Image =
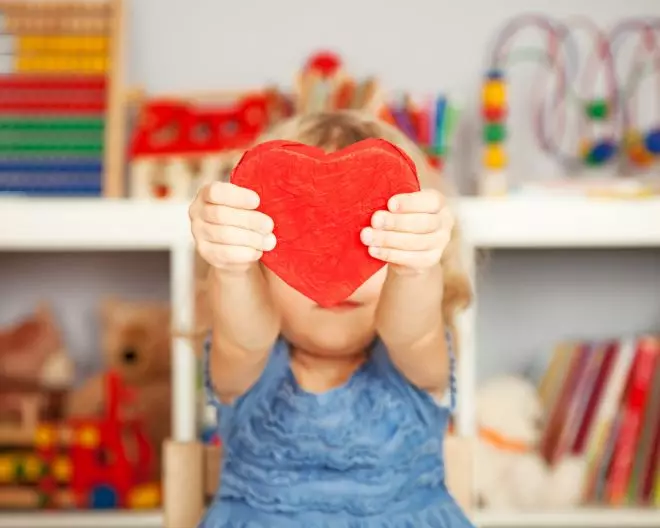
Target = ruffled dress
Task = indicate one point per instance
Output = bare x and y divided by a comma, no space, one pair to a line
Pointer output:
367,454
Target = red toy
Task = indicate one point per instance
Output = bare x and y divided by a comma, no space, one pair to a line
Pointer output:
174,127
320,203
101,473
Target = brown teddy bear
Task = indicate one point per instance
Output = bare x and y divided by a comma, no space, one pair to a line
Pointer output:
34,366
136,343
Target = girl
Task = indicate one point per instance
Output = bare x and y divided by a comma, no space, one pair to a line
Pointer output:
333,418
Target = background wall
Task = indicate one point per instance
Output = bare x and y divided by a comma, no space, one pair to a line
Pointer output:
526,299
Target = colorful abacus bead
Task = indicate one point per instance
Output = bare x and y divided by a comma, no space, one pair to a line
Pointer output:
495,157
652,141
601,152
635,149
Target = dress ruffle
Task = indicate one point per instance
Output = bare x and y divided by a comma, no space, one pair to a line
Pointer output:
365,455
446,514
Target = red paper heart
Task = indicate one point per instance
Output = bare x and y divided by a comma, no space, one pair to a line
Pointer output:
320,203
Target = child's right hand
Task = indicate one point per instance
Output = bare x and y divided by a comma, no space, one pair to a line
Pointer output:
229,233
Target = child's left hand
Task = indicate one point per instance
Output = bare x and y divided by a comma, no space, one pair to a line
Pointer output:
413,233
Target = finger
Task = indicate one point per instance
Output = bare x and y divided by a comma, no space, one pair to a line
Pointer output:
398,240
219,254
223,215
411,259
407,222
424,201
222,193
236,236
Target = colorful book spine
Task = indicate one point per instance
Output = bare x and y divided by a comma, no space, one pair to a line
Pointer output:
633,409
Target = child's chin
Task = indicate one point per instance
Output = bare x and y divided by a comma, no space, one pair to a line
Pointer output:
334,342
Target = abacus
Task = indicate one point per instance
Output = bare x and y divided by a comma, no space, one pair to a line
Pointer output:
61,115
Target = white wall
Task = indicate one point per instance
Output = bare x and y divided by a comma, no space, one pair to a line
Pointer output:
425,46
421,45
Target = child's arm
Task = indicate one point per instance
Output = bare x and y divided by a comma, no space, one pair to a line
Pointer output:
231,236
245,327
411,237
409,321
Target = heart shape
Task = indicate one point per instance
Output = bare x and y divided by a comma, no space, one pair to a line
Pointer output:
320,203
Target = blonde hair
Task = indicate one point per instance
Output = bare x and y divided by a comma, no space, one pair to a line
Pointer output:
335,130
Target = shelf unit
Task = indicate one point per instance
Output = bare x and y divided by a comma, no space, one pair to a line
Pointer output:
114,225
82,520
532,223
584,518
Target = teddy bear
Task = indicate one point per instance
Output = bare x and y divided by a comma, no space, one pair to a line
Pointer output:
136,344
34,367
511,474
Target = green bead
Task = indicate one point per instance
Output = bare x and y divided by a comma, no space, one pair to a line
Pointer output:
494,133
598,109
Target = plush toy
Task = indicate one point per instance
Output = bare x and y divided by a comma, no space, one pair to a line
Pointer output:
511,473
136,341
33,365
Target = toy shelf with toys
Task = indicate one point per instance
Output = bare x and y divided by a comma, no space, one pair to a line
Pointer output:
491,223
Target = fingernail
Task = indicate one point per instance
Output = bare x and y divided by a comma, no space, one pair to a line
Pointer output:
367,235
393,204
374,251
255,200
269,242
378,220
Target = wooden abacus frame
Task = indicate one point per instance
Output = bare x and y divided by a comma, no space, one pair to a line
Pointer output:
113,176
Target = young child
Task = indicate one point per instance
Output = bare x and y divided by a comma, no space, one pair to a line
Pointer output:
333,418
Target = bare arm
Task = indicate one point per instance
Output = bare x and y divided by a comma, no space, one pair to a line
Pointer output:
245,327
231,235
411,236
409,322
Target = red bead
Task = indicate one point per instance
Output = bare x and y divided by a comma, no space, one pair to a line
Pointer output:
494,114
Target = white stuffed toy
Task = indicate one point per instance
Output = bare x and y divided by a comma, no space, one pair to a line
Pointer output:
510,472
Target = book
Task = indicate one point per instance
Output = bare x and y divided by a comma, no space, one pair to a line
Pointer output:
645,445
631,420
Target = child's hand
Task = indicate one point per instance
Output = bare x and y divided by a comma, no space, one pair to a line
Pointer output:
230,235
413,233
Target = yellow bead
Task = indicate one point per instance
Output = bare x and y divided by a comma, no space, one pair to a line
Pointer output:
494,94
7,469
88,437
44,437
61,469
495,157
144,497
585,148
32,467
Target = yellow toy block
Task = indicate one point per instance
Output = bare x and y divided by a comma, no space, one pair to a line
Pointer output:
494,157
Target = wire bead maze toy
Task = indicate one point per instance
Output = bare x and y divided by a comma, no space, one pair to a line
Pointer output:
640,147
565,87
61,115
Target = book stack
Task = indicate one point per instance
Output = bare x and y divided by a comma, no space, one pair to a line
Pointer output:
602,401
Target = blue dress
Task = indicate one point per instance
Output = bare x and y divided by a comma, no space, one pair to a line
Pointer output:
367,454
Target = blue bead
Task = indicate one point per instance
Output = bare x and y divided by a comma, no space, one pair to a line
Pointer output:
495,75
104,498
602,152
652,141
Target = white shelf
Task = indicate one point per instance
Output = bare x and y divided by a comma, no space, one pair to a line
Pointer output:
553,222
152,519
88,224
596,518
529,222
